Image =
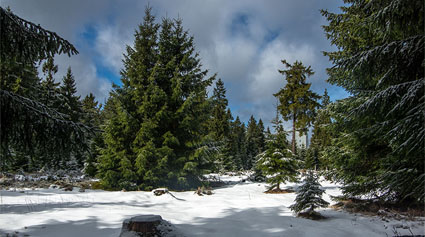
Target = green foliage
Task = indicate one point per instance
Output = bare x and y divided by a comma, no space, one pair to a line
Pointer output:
33,132
297,102
309,195
321,137
379,142
255,142
155,133
238,143
277,162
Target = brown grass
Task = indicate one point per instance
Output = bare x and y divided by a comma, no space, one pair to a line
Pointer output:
279,191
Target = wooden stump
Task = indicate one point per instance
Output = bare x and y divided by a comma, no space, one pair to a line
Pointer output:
143,225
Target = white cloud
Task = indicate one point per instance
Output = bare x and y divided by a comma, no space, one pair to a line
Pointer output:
246,59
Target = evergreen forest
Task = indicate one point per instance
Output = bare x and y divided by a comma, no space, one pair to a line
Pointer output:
168,122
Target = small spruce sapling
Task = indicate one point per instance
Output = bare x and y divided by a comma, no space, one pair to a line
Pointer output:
309,196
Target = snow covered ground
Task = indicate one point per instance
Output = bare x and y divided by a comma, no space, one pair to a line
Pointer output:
239,209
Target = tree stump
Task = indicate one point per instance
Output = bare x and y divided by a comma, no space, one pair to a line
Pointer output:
143,225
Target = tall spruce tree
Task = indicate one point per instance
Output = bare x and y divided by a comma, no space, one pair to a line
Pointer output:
251,143
92,118
219,124
50,88
71,104
164,99
30,128
297,102
380,61
322,135
238,143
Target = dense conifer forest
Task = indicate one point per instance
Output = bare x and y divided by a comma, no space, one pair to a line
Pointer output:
168,122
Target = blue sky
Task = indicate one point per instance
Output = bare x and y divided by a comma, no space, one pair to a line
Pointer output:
242,41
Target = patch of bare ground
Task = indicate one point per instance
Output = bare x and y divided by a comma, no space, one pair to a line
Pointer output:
311,215
279,191
399,211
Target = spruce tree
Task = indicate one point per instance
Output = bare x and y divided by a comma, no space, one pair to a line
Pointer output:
50,95
92,118
261,139
309,196
277,162
380,61
322,135
297,102
30,128
71,104
219,126
238,143
251,143
156,136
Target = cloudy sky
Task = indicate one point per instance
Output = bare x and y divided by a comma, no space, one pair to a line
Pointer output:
243,41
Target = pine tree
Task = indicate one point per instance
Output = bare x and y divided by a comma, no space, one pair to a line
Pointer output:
30,128
251,144
220,119
297,102
50,94
71,104
92,118
309,196
380,62
261,139
219,127
238,143
322,136
277,162
156,136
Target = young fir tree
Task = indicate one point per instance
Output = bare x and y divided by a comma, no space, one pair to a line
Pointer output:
380,61
297,102
277,162
157,139
309,196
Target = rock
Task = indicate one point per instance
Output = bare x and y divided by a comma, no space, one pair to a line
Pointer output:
68,188
82,190
144,225
160,191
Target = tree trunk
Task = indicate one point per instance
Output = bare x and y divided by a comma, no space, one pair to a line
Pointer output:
293,135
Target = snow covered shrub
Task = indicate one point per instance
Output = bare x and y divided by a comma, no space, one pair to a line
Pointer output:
309,196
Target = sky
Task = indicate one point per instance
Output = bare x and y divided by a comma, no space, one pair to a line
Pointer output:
243,41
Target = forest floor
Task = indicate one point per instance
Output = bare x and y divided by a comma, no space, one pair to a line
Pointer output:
240,208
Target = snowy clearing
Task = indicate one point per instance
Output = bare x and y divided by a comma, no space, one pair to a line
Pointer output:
239,209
